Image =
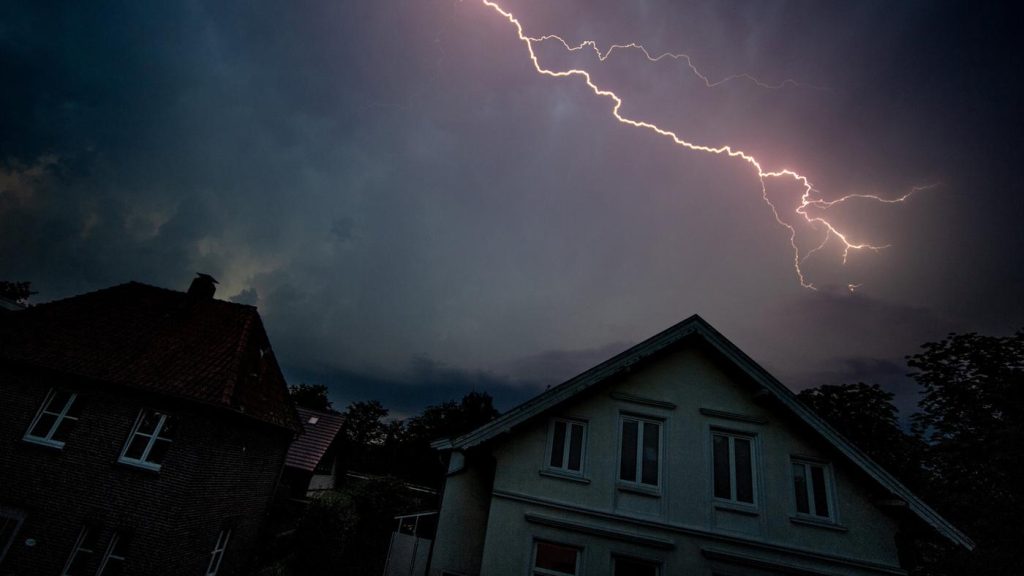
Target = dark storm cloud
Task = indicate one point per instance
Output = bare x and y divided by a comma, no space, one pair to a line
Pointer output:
391,181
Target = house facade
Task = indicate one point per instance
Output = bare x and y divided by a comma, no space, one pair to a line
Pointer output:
678,456
142,431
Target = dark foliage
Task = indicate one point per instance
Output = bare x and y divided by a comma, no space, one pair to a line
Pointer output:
312,396
972,419
866,416
18,292
350,530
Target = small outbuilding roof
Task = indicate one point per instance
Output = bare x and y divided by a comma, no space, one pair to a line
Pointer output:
319,429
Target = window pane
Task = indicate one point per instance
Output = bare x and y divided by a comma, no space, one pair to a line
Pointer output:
800,486
43,425
576,448
558,445
59,399
649,474
744,471
630,567
820,492
75,409
554,557
721,466
63,430
136,447
169,428
627,466
158,451
149,421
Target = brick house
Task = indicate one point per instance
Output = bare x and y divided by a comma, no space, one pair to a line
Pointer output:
142,431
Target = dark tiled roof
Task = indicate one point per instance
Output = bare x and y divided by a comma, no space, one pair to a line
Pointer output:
309,447
157,340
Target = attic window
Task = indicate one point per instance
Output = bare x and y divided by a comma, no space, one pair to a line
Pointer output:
314,419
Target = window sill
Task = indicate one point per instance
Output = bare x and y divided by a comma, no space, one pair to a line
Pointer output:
651,491
51,444
818,523
561,475
745,509
138,465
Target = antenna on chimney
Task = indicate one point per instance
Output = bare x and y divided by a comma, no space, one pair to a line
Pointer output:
203,286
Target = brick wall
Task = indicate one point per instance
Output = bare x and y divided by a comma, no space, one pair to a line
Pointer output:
220,472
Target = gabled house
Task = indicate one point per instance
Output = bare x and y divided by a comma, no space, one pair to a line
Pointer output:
678,456
142,431
312,463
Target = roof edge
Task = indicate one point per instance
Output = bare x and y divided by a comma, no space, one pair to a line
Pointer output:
695,325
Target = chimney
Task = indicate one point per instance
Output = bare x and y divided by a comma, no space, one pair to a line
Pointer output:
203,286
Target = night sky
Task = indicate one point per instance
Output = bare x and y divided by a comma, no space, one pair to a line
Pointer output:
418,213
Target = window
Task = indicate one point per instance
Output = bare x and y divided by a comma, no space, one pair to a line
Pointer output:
568,439
218,552
54,420
81,554
10,522
640,451
113,559
634,567
813,489
555,559
733,467
150,438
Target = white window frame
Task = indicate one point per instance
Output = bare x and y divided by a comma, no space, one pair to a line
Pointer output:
830,490
755,475
638,483
566,445
109,554
535,571
79,543
18,518
61,414
142,461
217,555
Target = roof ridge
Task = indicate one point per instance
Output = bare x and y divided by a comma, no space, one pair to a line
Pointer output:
552,397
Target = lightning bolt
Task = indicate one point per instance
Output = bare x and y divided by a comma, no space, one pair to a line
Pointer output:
603,55
810,197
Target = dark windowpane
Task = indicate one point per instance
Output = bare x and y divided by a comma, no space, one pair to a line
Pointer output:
627,466
169,429
149,421
159,451
136,447
114,567
649,472
576,447
555,557
63,430
79,564
76,407
630,567
721,466
820,492
558,445
42,427
800,486
59,399
744,471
